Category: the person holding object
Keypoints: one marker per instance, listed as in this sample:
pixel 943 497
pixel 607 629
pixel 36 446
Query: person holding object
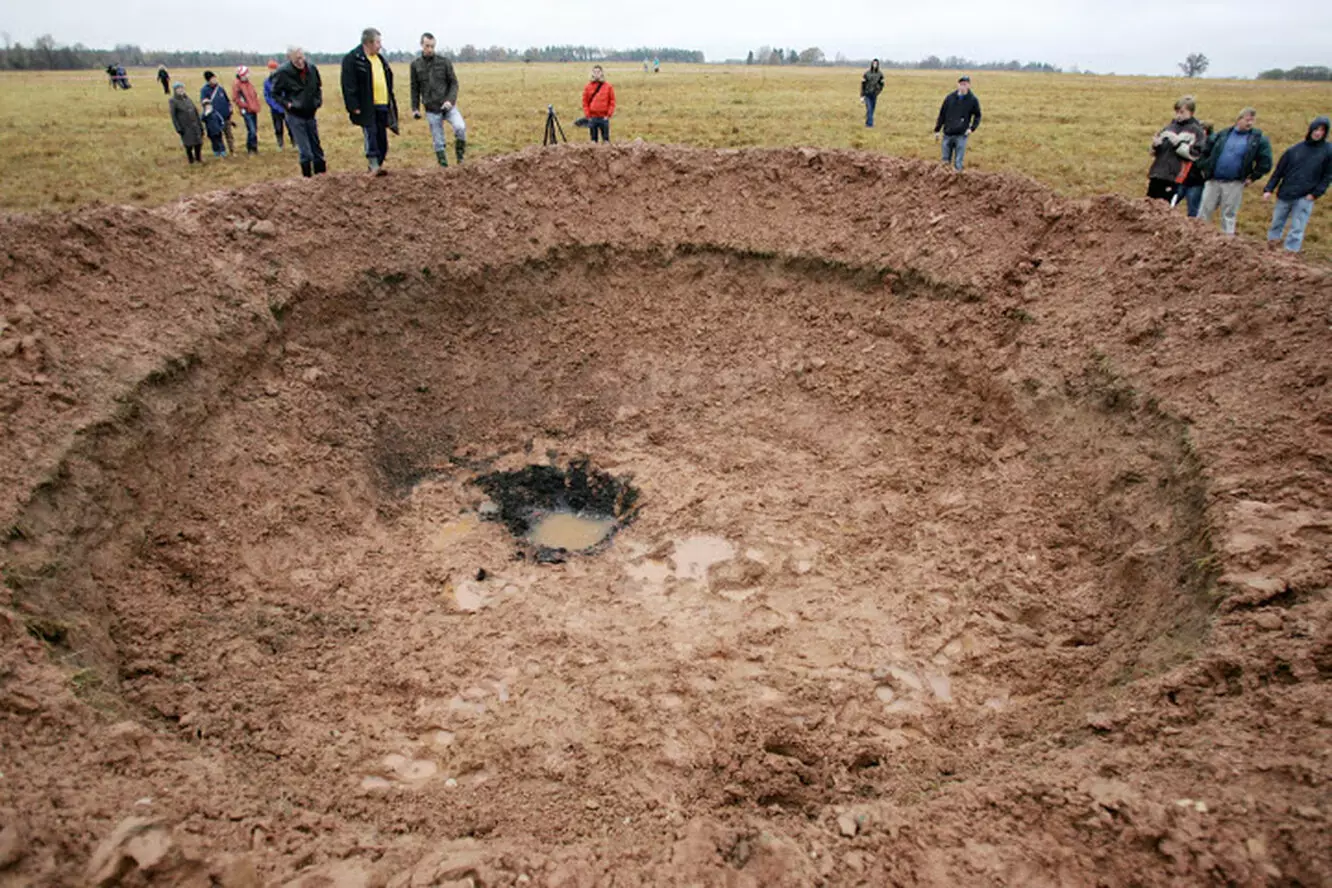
pixel 1239 154
pixel 1175 148
pixel 298 89
pixel 959 116
pixel 599 105
pixel 214 96
pixel 1300 178
pixel 436 86
pixel 367 91
pixel 247 100
pixel 870 87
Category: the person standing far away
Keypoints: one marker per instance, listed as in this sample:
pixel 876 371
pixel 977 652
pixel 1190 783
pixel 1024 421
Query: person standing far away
pixel 599 105
pixel 185 118
pixel 656 65
pixel 367 91
pixel 214 96
pixel 165 79
pixel 1301 177
pixel 247 100
pixel 1175 148
pixel 870 87
pixel 111 76
pixel 959 115
pixel 299 92
pixel 1193 182
pixel 275 109
pixel 1239 154
pixel 436 86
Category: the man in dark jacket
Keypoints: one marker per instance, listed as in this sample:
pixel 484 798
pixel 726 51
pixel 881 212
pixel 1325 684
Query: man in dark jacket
pixel 214 95
pixel 297 88
pixel 959 116
pixel 1239 154
pixel 436 86
pixel 1175 149
pixel 870 87
pixel 1301 177
pixel 367 91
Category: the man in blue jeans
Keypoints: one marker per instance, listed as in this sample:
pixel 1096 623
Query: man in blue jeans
pixel 1301 177
pixel 959 116
pixel 870 87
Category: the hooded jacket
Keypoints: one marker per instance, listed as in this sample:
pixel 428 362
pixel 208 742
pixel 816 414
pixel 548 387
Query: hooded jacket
pixel 243 94
pixel 872 83
pixel 1176 144
pixel 185 118
pixel 1257 157
pixel 358 88
pixel 433 83
pixel 268 94
pixel 300 92
pixel 1305 168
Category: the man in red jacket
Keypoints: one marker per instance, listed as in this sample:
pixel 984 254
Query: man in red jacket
pixel 599 105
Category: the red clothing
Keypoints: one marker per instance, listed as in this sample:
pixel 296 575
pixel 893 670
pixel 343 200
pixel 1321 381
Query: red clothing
pixel 244 97
pixel 598 102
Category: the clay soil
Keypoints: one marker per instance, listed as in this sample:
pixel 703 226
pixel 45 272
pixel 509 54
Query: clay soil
pixel 984 537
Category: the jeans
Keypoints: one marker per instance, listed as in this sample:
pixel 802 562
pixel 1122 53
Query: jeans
pixel 279 121
pixel 599 125
pixel 251 130
pixel 305 133
pixel 1227 195
pixel 1297 212
pixel 870 101
pixel 376 135
pixel 954 149
pixel 436 119
pixel 1193 196
pixel 219 148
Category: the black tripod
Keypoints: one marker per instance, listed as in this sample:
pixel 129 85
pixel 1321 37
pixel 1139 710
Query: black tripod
pixel 552 127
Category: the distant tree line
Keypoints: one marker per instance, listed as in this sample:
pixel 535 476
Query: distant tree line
pixel 46 55
pixel 767 55
pixel 1301 72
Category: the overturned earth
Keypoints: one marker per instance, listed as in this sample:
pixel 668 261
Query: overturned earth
pixel 983 537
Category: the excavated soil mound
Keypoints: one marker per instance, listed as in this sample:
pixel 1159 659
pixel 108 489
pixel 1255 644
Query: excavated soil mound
pixel 982 537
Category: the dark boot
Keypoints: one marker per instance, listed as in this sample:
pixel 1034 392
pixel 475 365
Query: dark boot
pixel 459 148
pixel 320 167
pixel 443 157
pixel 306 167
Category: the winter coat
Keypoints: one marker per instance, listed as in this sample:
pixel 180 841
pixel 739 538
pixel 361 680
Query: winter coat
pixel 301 93
pixel 1305 168
pixel 872 83
pixel 1177 144
pixel 213 123
pixel 268 95
pixel 163 77
pixel 958 114
pixel 245 97
pixel 598 102
pixel 219 99
pixel 185 118
pixel 358 88
pixel 433 83
pixel 1257 157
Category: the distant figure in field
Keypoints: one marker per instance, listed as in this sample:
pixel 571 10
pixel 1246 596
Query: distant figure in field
pixel 111 76
pixel 121 77
pixel 870 86
pixel 185 118
pixel 1301 177
pixel 656 66
pixel 959 115
pixel 1239 154
pixel 298 90
pixel 1175 149
pixel 367 91
pixel 436 86
pixel 247 100
pixel 1194 181
pixel 599 105
pixel 214 96
pixel 275 109
pixel 165 79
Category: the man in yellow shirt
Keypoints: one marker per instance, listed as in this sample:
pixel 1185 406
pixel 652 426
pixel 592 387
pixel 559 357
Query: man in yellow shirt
pixel 367 90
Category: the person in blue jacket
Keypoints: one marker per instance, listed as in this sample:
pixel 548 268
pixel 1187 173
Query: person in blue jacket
pixel 214 95
pixel 275 108
pixel 1300 178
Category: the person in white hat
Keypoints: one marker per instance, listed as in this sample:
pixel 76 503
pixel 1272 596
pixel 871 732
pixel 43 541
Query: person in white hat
pixel 246 98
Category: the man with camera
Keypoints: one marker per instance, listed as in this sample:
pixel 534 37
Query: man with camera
pixel 436 86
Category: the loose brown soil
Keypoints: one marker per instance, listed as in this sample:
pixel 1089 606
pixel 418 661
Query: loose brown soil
pixel 984 537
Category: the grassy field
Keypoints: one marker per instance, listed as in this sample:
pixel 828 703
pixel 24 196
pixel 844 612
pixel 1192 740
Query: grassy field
pixel 70 140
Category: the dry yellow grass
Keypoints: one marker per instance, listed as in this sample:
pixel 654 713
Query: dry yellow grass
pixel 69 140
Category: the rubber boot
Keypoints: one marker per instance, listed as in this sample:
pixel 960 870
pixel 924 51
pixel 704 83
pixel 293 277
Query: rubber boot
pixel 306 168
pixel 443 157
pixel 320 167
pixel 459 148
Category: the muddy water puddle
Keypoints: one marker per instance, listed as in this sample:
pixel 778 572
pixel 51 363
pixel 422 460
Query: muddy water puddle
pixel 570 531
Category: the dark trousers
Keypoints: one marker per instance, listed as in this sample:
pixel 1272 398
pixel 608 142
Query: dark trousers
pixel 305 133
pixel 599 125
pixel 279 121
pixel 1161 189
pixel 194 153
pixel 166 90
pixel 219 148
pixel 376 134
pixel 870 101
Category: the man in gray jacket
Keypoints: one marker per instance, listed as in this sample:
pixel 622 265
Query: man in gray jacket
pixel 436 86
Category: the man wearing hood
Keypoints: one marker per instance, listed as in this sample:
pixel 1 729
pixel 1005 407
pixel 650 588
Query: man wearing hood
pixel 1237 157
pixel 1301 177
pixel 245 97
pixel 870 87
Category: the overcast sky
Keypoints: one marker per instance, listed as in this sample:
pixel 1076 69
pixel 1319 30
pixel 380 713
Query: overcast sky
pixel 1241 37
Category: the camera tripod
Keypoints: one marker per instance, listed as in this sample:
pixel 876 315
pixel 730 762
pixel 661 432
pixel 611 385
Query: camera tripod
pixel 552 127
